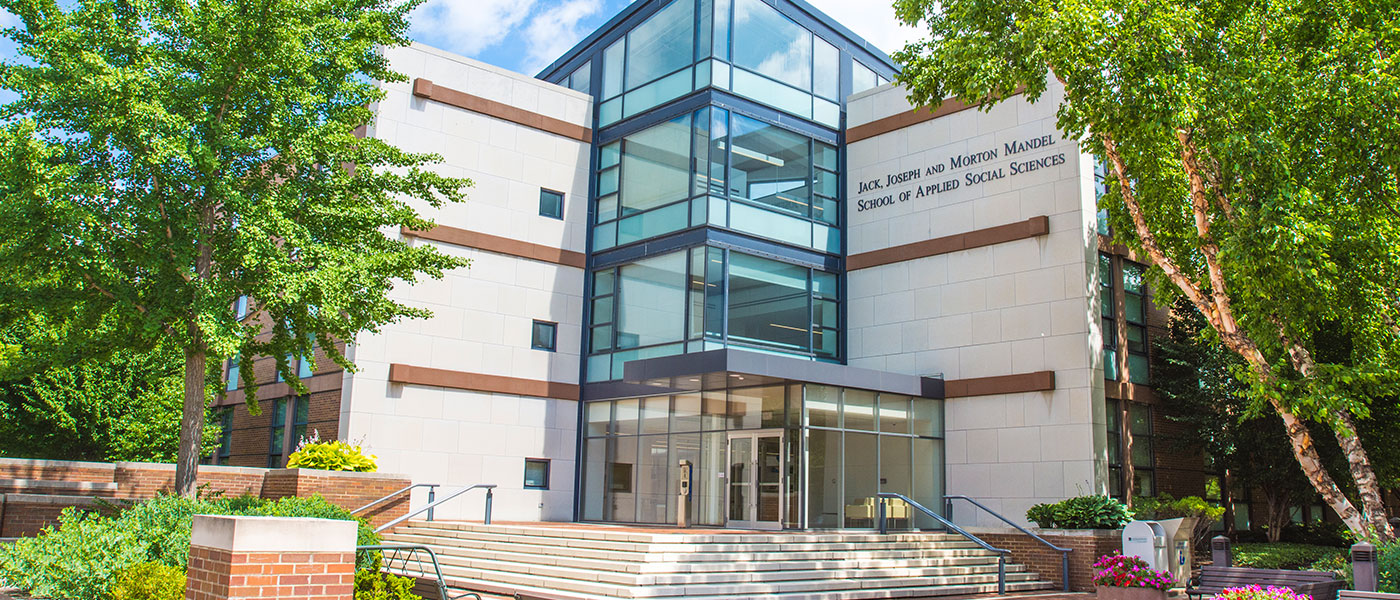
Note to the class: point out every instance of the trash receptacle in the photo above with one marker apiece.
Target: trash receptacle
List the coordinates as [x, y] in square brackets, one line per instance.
[1146, 540]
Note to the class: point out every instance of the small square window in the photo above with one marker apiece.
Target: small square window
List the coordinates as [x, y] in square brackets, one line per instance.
[542, 335]
[536, 474]
[551, 204]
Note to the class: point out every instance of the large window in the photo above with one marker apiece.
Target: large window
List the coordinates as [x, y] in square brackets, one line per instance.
[1135, 316]
[722, 169]
[683, 302]
[651, 65]
[288, 427]
[1139, 425]
[1107, 311]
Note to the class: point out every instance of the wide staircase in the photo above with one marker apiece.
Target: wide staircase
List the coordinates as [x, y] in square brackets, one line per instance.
[574, 562]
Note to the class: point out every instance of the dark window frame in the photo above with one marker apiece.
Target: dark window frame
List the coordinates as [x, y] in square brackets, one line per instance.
[559, 213]
[1143, 295]
[537, 461]
[553, 345]
[295, 415]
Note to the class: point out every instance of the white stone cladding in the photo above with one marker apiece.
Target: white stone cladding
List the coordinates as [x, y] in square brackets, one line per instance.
[1016, 307]
[482, 315]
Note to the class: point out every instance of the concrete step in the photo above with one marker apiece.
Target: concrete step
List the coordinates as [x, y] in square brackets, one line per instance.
[853, 594]
[702, 535]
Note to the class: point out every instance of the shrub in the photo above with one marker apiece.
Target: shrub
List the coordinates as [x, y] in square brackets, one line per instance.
[1255, 592]
[373, 584]
[149, 581]
[1082, 512]
[1282, 555]
[1116, 570]
[1388, 568]
[334, 455]
[80, 558]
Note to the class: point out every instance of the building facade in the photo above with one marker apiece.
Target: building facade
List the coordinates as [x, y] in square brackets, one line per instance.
[712, 239]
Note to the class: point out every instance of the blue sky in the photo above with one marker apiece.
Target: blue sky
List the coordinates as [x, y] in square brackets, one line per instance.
[527, 35]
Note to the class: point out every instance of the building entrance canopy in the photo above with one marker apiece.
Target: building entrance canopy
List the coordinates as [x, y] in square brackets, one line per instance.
[722, 369]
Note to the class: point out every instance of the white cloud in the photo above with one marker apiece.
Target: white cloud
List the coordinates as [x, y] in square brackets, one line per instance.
[873, 20]
[553, 30]
[468, 26]
[8, 19]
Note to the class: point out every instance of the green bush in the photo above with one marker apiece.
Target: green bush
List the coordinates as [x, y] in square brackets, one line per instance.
[81, 558]
[149, 581]
[1165, 506]
[1283, 555]
[332, 456]
[373, 584]
[1388, 568]
[1081, 512]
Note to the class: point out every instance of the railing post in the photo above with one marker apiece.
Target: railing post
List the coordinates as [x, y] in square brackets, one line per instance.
[1064, 569]
[948, 508]
[488, 506]
[1001, 574]
[1363, 567]
[881, 502]
[432, 489]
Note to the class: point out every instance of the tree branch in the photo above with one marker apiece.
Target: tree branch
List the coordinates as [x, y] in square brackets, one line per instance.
[1200, 209]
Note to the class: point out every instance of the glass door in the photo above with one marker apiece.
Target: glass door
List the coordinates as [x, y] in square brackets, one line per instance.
[755, 477]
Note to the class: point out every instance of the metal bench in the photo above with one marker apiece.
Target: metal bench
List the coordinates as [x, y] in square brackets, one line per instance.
[1355, 595]
[1318, 584]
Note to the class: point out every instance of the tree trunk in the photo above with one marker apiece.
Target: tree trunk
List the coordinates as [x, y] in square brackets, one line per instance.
[1367, 485]
[1316, 472]
[191, 423]
[1278, 501]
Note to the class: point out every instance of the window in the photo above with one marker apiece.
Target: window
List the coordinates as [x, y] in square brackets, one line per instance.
[231, 379]
[551, 204]
[581, 79]
[652, 64]
[862, 78]
[783, 184]
[536, 474]
[683, 302]
[240, 307]
[542, 335]
[1135, 314]
[1107, 313]
[1139, 424]
[306, 367]
[288, 427]
[1100, 190]
[224, 416]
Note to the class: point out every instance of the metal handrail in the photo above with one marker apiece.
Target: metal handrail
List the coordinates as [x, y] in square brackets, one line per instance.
[432, 488]
[487, 486]
[413, 549]
[1064, 552]
[1001, 554]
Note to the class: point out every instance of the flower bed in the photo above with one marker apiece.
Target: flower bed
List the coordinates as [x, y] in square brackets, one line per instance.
[1116, 570]
[1254, 592]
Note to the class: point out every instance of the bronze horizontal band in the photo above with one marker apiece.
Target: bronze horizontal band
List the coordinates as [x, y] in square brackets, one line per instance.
[499, 245]
[1029, 228]
[1040, 381]
[908, 118]
[424, 88]
[477, 382]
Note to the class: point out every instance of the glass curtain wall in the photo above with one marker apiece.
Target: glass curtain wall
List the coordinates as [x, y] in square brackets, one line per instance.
[684, 302]
[841, 448]
[744, 46]
[722, 169]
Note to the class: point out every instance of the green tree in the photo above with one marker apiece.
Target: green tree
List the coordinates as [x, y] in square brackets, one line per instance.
[1253, 157]
[122, 407]
[165, 158]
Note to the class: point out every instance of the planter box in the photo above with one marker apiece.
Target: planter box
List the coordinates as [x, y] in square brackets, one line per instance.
[1129, 593]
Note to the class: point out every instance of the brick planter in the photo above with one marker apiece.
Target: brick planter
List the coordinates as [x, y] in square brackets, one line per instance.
[270, 557]
[1088, 545]
[1105, 592]
[342, 488]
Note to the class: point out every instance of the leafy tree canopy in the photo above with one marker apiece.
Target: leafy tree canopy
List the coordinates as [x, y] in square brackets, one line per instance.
[165, 158]
[1254, 158]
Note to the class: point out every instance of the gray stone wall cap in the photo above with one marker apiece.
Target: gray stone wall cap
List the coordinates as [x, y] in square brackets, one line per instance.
[66, 464]
[273, 534]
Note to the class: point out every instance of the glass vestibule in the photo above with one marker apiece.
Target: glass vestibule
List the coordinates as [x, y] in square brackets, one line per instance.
[795, 456]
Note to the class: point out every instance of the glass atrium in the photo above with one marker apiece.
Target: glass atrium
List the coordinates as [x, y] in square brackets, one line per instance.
[715, 226]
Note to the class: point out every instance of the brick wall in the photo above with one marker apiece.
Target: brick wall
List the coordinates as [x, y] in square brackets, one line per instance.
[34, 502]
[267, 557]
[1088, 546]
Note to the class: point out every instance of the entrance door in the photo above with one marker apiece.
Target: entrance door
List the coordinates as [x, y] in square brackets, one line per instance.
[755, 479]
